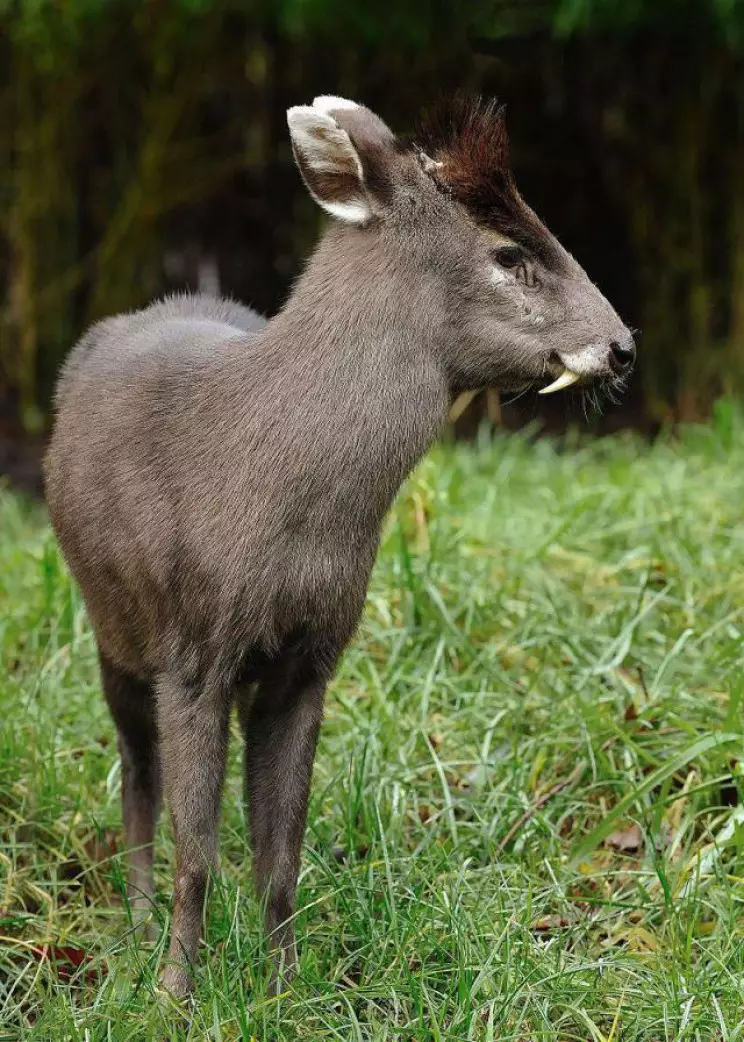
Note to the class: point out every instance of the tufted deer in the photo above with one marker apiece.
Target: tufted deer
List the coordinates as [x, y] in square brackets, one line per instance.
[218, 483]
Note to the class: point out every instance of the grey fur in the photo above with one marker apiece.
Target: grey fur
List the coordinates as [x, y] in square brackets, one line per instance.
[218, 485]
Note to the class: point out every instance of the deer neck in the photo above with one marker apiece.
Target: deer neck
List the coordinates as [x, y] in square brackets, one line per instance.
[358, 342]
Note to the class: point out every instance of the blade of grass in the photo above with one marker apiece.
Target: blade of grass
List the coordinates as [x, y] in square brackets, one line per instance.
[665, 770]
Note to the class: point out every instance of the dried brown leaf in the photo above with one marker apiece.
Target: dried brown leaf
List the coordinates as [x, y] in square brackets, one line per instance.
[550, 923]
[67, 961]
[628, 839]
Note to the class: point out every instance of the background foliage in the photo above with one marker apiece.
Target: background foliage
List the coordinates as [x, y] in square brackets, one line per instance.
[143, 147]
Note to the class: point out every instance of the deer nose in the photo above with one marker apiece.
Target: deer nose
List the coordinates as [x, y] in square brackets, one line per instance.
[622, 354]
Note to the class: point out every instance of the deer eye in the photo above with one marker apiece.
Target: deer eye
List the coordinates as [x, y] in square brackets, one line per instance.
[509, 256]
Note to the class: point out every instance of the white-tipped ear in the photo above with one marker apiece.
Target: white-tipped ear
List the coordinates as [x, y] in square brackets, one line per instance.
[329, 163]
[328, 103]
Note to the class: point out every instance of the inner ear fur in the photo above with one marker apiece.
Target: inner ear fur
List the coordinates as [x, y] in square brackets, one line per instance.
[329, 163]
[344, 153]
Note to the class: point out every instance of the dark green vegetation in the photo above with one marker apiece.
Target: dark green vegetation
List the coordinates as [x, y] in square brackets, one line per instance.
[526, 821]
[138, 138]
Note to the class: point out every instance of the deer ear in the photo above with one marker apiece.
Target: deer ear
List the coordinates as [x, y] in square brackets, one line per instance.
[329, 163]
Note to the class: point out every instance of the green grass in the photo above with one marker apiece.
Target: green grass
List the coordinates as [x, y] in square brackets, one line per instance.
[550, 667]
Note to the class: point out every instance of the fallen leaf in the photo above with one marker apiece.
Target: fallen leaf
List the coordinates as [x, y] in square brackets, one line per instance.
[629, 839]
[567, 826]
[549, 923]
[67, 960]
[637, 938]
[102, 847]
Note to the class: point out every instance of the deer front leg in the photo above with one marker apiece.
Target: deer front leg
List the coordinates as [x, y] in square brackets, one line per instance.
[280, 726]
[193, 729]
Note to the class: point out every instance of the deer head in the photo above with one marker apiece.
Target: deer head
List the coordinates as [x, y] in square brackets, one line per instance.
[513, 306]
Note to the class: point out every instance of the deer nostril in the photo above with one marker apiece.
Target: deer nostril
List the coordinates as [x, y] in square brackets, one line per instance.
[622, 355]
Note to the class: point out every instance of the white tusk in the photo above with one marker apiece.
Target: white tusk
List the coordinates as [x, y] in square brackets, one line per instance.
[564, 380]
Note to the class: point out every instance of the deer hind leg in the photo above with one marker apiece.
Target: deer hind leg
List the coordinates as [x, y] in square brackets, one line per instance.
[193, 724]
[280, 723]
[132, 705]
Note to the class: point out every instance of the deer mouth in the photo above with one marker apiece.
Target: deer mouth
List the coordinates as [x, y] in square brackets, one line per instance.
[563, 374]
[587, 365]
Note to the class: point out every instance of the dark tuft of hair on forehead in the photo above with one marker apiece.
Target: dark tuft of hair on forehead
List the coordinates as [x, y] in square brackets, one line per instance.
[465, 129]
[468, 136]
